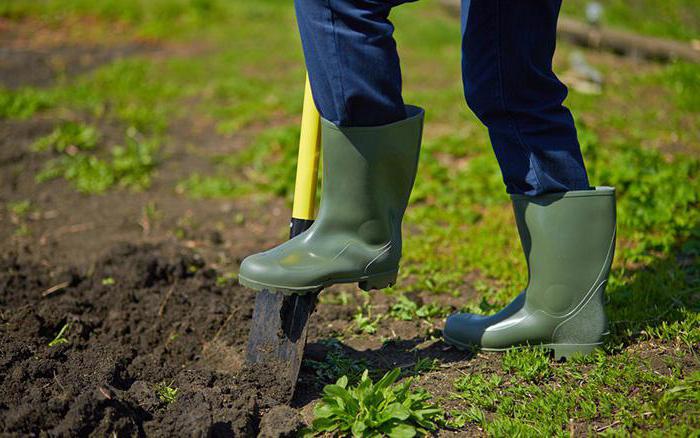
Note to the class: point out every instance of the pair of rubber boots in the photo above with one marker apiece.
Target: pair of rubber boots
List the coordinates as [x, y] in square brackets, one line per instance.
[368, 173]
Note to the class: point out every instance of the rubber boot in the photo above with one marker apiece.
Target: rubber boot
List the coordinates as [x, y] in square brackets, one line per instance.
[368, 174]
[569, 240]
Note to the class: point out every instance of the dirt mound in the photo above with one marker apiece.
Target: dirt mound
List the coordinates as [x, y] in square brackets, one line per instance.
[142, 321]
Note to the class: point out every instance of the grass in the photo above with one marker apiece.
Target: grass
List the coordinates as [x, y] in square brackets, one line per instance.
[23, 103]
[365, 321]
[337, 364]
[128, 166]
[534, 397]
[670, 19]
[640, 135]
[68, 135]
[406, 309]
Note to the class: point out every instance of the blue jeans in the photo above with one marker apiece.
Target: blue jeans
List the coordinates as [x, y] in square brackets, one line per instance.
[507, 49]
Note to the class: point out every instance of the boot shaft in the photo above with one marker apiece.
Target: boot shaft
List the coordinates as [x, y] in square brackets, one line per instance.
[368, 174]
[568, 239]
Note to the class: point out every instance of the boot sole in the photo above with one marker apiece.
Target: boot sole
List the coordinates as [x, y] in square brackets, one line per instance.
[367, 283]
[561, 351]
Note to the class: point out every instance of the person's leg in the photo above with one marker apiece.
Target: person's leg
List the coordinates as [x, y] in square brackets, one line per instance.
[352, 60]
[509, 84]
[567, 231]
[371, 144]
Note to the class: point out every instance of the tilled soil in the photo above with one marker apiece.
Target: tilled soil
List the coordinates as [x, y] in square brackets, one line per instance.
[150, 302]
[140, 317]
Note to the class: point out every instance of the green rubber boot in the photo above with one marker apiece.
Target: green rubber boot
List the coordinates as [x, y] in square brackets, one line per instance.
[569, 241]
[368, 173]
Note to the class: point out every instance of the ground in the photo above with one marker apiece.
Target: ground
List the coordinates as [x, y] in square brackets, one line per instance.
[147, 147]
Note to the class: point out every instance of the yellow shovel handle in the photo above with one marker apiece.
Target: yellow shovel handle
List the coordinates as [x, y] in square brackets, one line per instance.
[304, 206]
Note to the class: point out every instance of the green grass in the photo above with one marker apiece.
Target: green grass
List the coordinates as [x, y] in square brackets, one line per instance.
[23, 103]
[640, 135]
[155, 18]
[670, 19]
[67, 135]
[536, 398]
[406, 309]
[129, 166]
[337, 364]
[20, 208]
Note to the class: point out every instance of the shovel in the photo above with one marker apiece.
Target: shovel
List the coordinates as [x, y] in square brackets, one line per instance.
[278, 329]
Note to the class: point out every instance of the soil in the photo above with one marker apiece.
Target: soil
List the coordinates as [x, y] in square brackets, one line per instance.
[146, 300]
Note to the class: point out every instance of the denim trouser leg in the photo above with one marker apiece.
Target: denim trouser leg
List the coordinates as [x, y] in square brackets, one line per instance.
[507, 49]
[352, 61]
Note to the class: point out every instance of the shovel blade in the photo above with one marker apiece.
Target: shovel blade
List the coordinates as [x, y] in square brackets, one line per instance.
[278, 331]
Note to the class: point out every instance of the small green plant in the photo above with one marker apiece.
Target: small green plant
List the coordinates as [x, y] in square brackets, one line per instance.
[375, 409]
[207, 187]
[364, 322]
[531, 363]
[226, 278]
[61, 336]
[107, 281]
[425, 365]
[341, 298]
[23, 103]
[130, 166]
[166, 392]
[68, 137]
[686, 331]
[19, 209]
[406, 309]
[477, 389]
[337, 364]
[458, 419]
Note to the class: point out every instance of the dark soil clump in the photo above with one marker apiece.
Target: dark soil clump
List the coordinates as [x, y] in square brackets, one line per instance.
[140, 319]
[281, 422]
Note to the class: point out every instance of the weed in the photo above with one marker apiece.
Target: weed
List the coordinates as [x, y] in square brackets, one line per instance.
[130, 166]
[267, 166]
[108, 281]
[23, 103]
[198, 186]
[686, 331]
[458, 419]
[150, 216]
[375, 409]
[479, 390]
[19, 209]
[226, 278]
[406, 309]
[68, 137]
[364, 322]
[342, 298]
[337, 364]
[531, 363]
[166, 392]
[22, 230]
[61, 336]
[425, 365]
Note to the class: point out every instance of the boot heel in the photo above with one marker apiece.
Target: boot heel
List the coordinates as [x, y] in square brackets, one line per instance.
[565, 351]
[379, 281]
